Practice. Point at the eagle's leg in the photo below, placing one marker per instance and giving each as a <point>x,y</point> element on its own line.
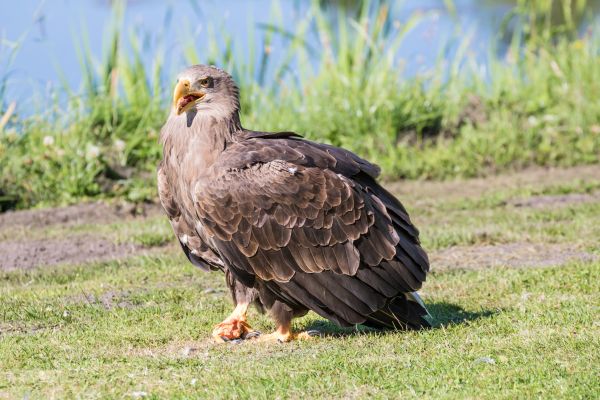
<point>283,314</point>
<point>235,325</point>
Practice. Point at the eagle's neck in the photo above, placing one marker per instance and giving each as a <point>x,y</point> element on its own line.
<point>195,140</point>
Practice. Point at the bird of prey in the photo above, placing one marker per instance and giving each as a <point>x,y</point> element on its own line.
<point>294,225</point>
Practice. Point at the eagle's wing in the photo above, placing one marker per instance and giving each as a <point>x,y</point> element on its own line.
<point>289,212</point>
<point>196,249</point>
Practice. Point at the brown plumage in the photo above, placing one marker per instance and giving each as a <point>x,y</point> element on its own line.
<point>295,225</point>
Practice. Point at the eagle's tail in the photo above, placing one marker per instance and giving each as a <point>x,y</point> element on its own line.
<point>401,312</point>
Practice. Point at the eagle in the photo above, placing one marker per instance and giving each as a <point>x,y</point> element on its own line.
<point>294,225</point>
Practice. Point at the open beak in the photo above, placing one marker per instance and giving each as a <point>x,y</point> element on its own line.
<point>184,98</point>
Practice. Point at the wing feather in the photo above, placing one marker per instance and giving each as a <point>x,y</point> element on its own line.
<point>311,221</point>
<point>342,223</point>
<point>193,246</point>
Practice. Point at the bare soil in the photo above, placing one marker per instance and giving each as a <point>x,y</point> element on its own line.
<point>77,248</point>
<point>78,214</point>
<point>515,255</point>
<point>26,254</point>
<point>426,191</point>
<point>557,200</point>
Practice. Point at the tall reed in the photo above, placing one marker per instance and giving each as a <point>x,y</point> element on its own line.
<point>338,79</point>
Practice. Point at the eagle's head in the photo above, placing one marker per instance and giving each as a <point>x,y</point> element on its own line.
<point>206,90</point>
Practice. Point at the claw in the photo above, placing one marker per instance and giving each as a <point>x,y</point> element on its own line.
<point>225,339</point>
<point>252,334</point>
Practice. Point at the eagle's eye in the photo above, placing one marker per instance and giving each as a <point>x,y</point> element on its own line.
<point>206,82</point>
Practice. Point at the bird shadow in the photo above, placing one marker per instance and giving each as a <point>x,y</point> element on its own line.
<point>443,314</point>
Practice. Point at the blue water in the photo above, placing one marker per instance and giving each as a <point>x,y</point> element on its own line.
<point>48,33</point>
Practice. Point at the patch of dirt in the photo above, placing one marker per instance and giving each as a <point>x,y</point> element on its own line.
<point>78,214</point>
<point>516,255</point>
<point>79,249</point>
<point>556,200</point>
<point>427,191</point>
<point>28,254</point>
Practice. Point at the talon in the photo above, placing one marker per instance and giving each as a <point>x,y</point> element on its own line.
<point>251,335</point>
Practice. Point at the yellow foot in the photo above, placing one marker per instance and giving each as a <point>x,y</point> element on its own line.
<point>232,329</point>
<point>284,337</point>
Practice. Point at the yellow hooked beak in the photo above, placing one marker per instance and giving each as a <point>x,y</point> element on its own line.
<point>184,98</point>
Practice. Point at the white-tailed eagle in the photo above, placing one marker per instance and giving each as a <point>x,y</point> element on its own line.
<point>294,225</point>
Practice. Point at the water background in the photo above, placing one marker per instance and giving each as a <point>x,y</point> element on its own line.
<point>48,33</point>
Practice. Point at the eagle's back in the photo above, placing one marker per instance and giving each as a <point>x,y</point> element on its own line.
<point>309,223</point>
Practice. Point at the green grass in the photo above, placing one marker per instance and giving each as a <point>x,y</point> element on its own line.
<point>536,106</point>
<point>538,325</point>
<point>142,324</point>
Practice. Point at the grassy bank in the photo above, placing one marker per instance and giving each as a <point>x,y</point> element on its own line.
<point>515,309</point>
<point>535,106</point>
